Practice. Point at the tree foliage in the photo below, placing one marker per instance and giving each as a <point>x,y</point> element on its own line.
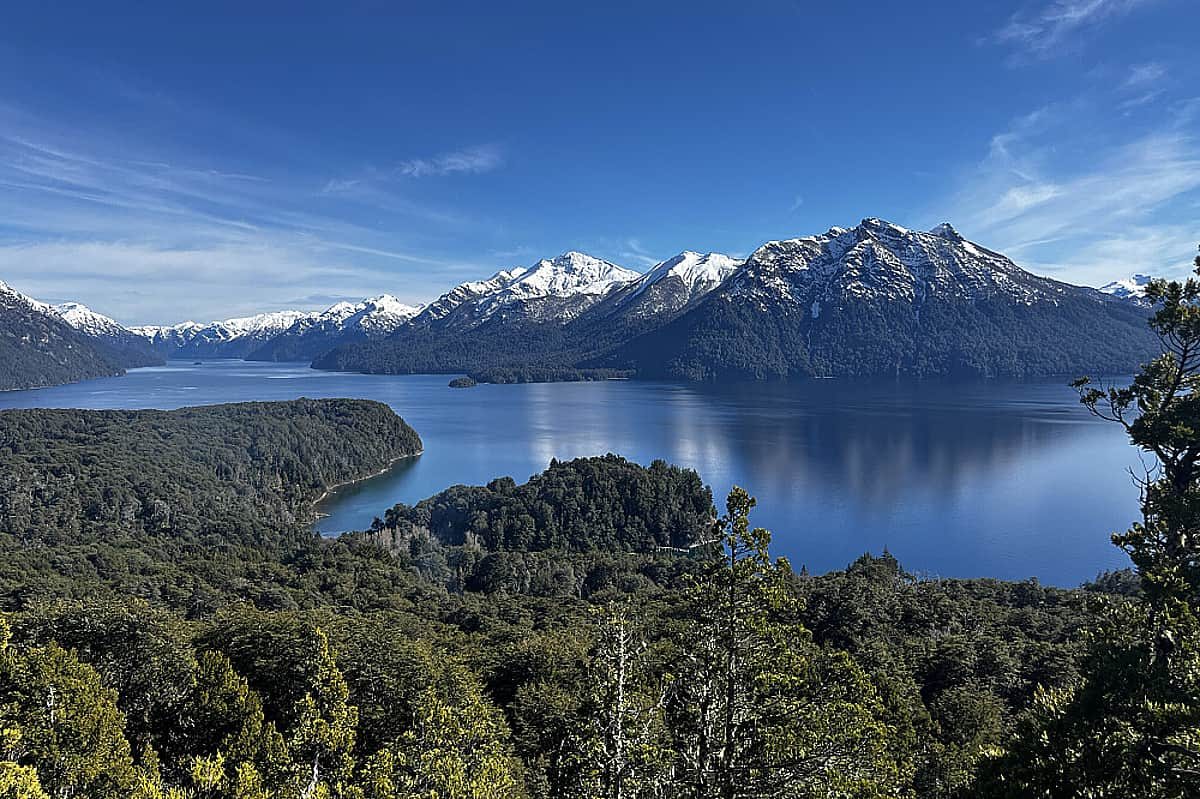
<point>1130,725</point>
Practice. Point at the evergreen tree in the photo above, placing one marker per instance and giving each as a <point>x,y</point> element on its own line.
<point>1131,725</point>
<point>457,749</point>
<point>760,710</point>
<point>70,730</point>
<point>322,742</point>
<point>630,745</point>
<point>222,717</point>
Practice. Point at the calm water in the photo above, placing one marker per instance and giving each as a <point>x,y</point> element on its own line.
<point>1004,480</point>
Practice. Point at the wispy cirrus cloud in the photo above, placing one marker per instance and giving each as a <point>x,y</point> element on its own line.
<point>1051,27</point>
<point>148,238</point>
<point>369,180</point>
<point>1144,83</point>
<point>1129,205</point>
<point>634,251</point>
<point>470,161</point>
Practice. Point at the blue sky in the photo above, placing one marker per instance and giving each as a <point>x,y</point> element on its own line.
<point>202,160</point>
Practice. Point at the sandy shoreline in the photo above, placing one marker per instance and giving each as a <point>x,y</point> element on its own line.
<point>333,488</point>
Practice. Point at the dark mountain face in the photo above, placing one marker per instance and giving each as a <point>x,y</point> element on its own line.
<point>39,349</point>
<point>555,314</point>
<point>514,318</point>
<point>123,346</point>
<point>881,300</point>
<point>872,300</point>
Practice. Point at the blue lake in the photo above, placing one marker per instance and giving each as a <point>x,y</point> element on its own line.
<point>1009,480</point>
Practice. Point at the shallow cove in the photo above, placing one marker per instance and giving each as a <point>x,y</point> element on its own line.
<point>998,479</point>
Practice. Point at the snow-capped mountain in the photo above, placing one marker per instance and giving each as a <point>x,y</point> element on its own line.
<point>883,261</point>
<point>512,315</point>
<point>130,348</point>
<point>1130,288</point>
<point>38,348</point>
<point>669,286</point>
<point>466,292</point>
<point>381,316</point>
<point>552,290</point>
<point>230,338</point>
<point>14,299</point>
<point>873,299</point>
<point>167,339</point>
<point>344,322</point>
<point>84,319</point>
<point>880,299</point>
<point>568,275</point>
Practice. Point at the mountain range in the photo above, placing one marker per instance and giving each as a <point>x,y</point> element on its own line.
<point>38,347</point>
<point>875,299</point>
<point>870,300</point>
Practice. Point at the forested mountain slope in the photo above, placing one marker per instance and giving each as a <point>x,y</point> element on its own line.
<point>878,299</point>
<point>126,347</point>
<point>873,300</point>
<point>37,348</point>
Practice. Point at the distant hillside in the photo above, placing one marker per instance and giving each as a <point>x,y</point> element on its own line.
<point>872,300</point>
<point>38,348</point>
<point>878,299</point>
<point>126,347</point>
<point>247,472</point>
<point>311,336</point>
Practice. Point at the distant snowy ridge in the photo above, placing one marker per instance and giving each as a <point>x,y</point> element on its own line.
<point>83,318</point>
<point>574,276</point>
<point>697,272</point>
<point>313,334</point>
<point>13,296</point>
<point>226,329</point>
<point>228,338</point>
<point>1130,288</point>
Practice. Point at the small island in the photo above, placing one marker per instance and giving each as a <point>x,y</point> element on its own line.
<point>463,382</point>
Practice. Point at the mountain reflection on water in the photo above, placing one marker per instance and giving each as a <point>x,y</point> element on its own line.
<point>1008,479</point>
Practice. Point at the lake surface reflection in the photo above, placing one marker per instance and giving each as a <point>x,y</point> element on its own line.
<point>1010,480</point>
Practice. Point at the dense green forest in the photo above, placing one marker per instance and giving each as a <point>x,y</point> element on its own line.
<point>562,638</point>
<point>99,496</point>
<point>736,339</point>
<point>585,504</point>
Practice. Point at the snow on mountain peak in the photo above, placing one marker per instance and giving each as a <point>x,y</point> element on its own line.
<point>1130,288</point>
<point>946,231</point>
<point>386,303</point>
<point>263,322</point>
<point>696,271</point>
<point>339,311</point>
<point>876,225</point>
<point>882,259</point>
<point>83,318</point>
<point>569,274</point>
<point>25,299</point>
<point>676,282</point>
